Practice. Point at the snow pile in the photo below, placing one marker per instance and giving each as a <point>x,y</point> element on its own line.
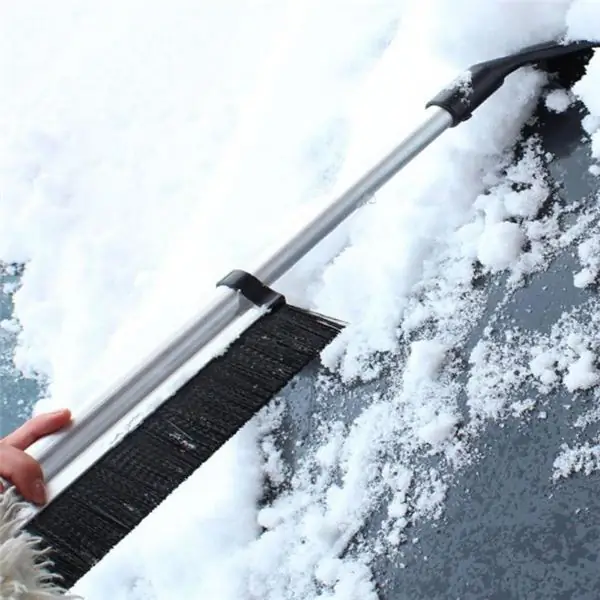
<point>583,459</point>
<point>559,100</point>
<point>501,247</point>
<point>583,22</point>
<point>589,255</point>
<point>133,130</point>
<point>582,374</point>
<point>143,154</point>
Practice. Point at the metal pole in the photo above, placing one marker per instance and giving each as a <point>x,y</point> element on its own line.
<point>337,211</point>
<point>58,451</point>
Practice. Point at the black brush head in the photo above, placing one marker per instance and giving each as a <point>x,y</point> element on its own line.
<point>115,494</point>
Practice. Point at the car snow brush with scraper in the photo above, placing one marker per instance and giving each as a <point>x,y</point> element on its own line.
<point>90,512</point>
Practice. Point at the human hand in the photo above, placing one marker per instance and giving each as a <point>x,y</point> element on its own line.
<point>23,471</point>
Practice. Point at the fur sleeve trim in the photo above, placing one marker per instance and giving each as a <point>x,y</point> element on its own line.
<point>25,569</point>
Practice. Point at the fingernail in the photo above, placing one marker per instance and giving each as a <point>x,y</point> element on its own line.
<point>39,492</point>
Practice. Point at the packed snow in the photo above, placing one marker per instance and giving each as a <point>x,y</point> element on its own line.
<point>145,150</point>
<point>559,100</point>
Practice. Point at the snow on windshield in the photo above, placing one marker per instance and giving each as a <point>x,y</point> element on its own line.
<point>145,150</point>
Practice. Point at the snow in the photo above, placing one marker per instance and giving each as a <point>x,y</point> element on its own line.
<point>424,360</point>
<point>584,459</point>
<point>582,374</point>
<point>559,100</point>
<point>589,255</point>
<point>145,150</point>
<point>584,89</point>
<point>501,246</point>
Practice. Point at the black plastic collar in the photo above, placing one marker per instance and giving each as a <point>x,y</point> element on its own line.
<point>253,289</point>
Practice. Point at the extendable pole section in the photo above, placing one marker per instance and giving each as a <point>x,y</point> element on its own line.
<point>450,107</point>
<point>57,452</point>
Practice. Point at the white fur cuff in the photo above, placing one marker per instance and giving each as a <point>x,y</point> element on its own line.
<point>25,571</point>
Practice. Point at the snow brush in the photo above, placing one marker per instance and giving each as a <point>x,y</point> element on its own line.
<point>270,342</point>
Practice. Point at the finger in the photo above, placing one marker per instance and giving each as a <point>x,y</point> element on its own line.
<point>23,472</point>
<point>38,427</point>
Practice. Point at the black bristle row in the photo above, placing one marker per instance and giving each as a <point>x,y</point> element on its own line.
<point>114,495</point>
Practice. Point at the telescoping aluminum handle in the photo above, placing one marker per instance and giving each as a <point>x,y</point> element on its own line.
<point>58,451</point>
<point>453,105</point>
